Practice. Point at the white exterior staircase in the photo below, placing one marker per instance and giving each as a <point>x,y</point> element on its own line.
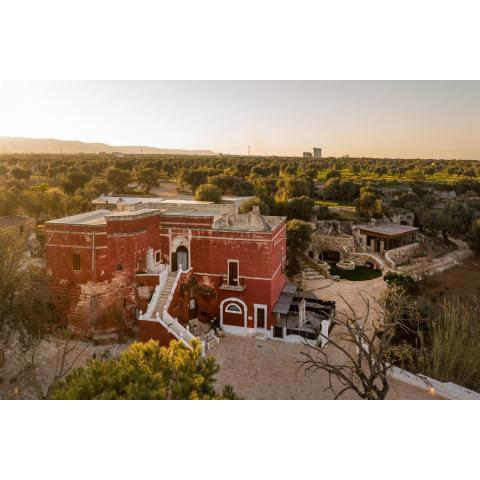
<point>157,310</point>
<point>162,300</point>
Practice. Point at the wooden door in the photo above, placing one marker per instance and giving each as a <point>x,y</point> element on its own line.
<point>260,317</point>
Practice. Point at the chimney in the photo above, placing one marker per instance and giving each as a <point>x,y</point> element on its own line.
<point>120,204</point>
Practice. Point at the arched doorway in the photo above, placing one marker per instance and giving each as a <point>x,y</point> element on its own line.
<point>180,258</point>
<point>233,313</point>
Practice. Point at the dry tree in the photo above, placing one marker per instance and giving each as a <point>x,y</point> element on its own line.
<point>354,357</point>
<point>27,360</point>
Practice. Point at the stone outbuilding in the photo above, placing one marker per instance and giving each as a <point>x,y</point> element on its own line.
<point>380,237</point>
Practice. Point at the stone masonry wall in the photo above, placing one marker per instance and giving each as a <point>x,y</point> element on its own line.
<point>397,256</point>
<point>329,243</point>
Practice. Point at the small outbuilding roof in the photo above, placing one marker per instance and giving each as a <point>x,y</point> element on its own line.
<point>388,229</point>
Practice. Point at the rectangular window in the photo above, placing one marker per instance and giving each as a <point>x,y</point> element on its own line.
<point>233,273</point>
<point>157,256</point>
<point>76,261</point>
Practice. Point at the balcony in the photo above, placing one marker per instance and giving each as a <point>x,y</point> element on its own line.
<point>236,286</point>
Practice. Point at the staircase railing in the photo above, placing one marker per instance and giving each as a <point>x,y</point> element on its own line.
<point>171,324</point>
<point>148,315</point>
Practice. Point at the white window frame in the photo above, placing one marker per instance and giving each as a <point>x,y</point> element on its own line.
<point>237,312</point>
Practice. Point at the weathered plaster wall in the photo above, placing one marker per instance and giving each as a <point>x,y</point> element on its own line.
<point>96,308</point>
<point>102,296</point>
<point>149,330</point>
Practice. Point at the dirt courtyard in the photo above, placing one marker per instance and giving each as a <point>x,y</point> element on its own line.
<point>269,370</point>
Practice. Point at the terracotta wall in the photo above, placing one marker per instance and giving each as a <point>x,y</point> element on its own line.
<point>154,330</point>
<point>93,298</point>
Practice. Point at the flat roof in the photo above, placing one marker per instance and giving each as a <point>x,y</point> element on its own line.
<point>193,213</point>
<point>133,213</point>
<point>389,229</point>
<point>97,217</point>
<point>113,200</point>
<point>179,201</point>
<point>127,200</point>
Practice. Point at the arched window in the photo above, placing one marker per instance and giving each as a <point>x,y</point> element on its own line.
<point>233,308</point>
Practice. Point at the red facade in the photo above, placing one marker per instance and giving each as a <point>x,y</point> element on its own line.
<point>105,265</point>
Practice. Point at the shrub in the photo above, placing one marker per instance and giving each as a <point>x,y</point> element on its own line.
<point>451,353</point>
<point>403,355</point>
<point>145,371</point>
<point>401,281</point>
<point>254,202</point>
<point>208,193</point>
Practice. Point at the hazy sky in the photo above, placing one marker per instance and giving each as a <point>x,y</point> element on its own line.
<point>434,119</point>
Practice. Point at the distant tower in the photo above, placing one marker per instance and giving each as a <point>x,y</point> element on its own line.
<point>317,152</point>
<point>249,150</point>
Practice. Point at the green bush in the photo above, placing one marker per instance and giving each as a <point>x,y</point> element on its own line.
<point>145,371</point>
<point>208,193</point>
<point>402,281</point>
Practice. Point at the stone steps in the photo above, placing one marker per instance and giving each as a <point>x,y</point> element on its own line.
<point>165,294</point>
<point>309,272</point>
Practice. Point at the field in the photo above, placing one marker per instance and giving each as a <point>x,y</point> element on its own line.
<point>462,282</point>
<point>408,177</point>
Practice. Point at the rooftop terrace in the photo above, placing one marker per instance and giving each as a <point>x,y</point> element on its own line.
<point>114,200</point>
<point>97,217</point>
<point>224,216</point>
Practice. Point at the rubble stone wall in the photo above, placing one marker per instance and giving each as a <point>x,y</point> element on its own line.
<point>341,244</point>
<point>399,255</point>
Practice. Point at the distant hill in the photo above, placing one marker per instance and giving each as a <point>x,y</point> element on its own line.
<point>51,145</point>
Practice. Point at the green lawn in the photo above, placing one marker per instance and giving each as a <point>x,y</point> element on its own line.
<point>359,274</point>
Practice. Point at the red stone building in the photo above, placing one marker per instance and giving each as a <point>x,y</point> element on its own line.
<point>198,261</point>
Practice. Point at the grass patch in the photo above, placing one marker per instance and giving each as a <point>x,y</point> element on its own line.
<point>453,349</point>
<point>357,275</point>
